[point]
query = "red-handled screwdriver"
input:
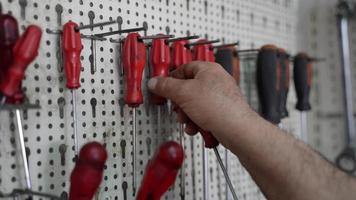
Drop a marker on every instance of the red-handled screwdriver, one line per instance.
(88, 172)
(204, 51)
(181, 55)
(161, 171)
(133, 60)
(227, 56)
(160, 57)
(9, 34)
(72, 47)
(24, 52)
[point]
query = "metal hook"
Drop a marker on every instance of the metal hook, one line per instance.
(183, 38)
(95, 25)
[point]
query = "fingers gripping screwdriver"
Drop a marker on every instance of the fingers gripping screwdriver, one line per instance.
(9, 34)
(24, 52)
(205, 52)
(160, 57)
(161, 171)
(302, 81)
(134, 60)
(72, 47)
(88, 172)
(228, 58)
(283, 60)
(181, 55)
(268, 77)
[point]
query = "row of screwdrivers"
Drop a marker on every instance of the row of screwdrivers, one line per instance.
(272, 73)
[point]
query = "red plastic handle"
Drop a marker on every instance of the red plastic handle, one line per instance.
(134, 60)
(160, 60)
(72, 47)
(181, 54)
(203, 52)
(25, 51)
(88, 172)
(161, 171)
(9, 34)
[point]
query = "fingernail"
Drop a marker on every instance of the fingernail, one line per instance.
(152, 83)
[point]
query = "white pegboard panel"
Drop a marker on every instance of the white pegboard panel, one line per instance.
(253, 23)
(320, 35)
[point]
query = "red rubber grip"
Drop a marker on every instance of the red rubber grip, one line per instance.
(72, 47)
(181, 54)
(161, 171)
(204, 52)
(24, 52)
(134, 60)
(160, 56)
(88, 172)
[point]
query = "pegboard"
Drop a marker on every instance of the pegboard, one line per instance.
(254, 23)
(320, 35)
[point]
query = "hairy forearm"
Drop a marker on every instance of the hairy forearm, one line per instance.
(282, 166)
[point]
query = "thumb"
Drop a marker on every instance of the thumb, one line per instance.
(167, 87)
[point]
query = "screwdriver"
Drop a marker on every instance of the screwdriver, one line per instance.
(9, 34)
(160, 57)
(72, 47)
(181, 55)
(283, 60)
(161, 171)
(88, 172)
(227, 56)
(204, 51)
(302, 73)
(268, 86)
(133, 60)
(24, 52)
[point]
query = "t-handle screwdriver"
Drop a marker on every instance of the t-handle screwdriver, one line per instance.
(268, 77)
(24, 52)
(161, 171)
(283, 60)
(133, 60)
(204, 51)
(88, 172)
(72, 47)
(302, 73)
(181, 55)
(227, 56)
(160, 57)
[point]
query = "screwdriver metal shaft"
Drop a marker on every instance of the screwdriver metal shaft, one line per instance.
(205, 173)
(182, 171)
(134, 150)
(75, 127)
(23, 149)
(228, 181)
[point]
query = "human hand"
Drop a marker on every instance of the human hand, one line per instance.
(205, 93)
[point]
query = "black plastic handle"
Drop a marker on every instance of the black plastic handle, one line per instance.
(283, 60)
(229, 59)
(224, 58)
(347, 156)
(302, 80)
(268, 78)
